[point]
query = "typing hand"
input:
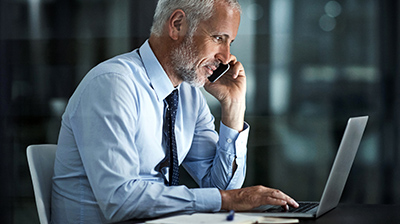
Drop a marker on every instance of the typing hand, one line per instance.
(251, 197)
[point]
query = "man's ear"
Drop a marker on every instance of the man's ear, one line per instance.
(177, 24)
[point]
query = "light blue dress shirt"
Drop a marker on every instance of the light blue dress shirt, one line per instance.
(111, 140)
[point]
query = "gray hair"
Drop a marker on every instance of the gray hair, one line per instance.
(195, 10)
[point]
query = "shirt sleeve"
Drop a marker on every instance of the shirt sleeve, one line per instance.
(211, 157)
(103, 124)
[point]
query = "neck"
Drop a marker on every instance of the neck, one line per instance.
(162, 48)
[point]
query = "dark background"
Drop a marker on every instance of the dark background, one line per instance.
(311, 64)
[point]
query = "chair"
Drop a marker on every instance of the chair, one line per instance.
(41, 164)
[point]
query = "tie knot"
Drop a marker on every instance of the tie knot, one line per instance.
(172, 100)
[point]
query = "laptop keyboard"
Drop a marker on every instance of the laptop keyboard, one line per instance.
(303, 207)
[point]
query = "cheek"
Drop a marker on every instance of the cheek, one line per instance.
(207, 56)
(207, 50)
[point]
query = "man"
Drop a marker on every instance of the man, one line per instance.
(115, 156)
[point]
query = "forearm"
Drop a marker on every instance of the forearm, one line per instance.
(232, 114)
(210, 163)
(229, 167)
(153, 199)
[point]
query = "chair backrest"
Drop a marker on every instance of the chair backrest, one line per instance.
(41, 165)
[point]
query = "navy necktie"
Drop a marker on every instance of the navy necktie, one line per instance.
(172, 101)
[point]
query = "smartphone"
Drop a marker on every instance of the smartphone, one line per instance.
(220, 71)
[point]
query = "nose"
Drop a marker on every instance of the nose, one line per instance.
(224, 54)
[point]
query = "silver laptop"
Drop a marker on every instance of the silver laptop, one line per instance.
(336, 180)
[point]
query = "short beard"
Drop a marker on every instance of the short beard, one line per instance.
(183, 61)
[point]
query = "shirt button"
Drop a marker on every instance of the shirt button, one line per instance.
(228, 140)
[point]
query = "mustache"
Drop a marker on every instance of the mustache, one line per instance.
(213, 63)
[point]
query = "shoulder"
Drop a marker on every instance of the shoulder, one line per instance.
(116, 78)
(128, 64)
(125, 68)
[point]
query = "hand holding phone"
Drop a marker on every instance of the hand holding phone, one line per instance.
(220, 71)
(230, 92)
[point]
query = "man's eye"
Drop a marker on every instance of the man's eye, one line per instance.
(218, 38)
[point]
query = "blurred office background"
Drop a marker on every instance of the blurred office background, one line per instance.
(311, 64)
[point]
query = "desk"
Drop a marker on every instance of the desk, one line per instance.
(359, 213)
(350, 214)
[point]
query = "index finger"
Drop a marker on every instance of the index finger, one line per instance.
(237, 68)
(232, 59)
(282, 196)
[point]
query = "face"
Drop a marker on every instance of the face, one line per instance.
(199, 55)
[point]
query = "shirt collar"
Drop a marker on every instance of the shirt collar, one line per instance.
(159, 80)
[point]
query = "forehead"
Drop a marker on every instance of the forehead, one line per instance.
(225, 20)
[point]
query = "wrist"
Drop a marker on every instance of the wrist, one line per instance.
(232, 115)
(224, 199)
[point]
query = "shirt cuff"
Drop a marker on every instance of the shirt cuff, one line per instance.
(232, 141)
(207, 199)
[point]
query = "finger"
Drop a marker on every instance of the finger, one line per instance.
(279, 195)
(276, 201)
(286, 207)
(232, 59)
(282, 196)
(290, 201)
(293, 203)
(237, 70)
